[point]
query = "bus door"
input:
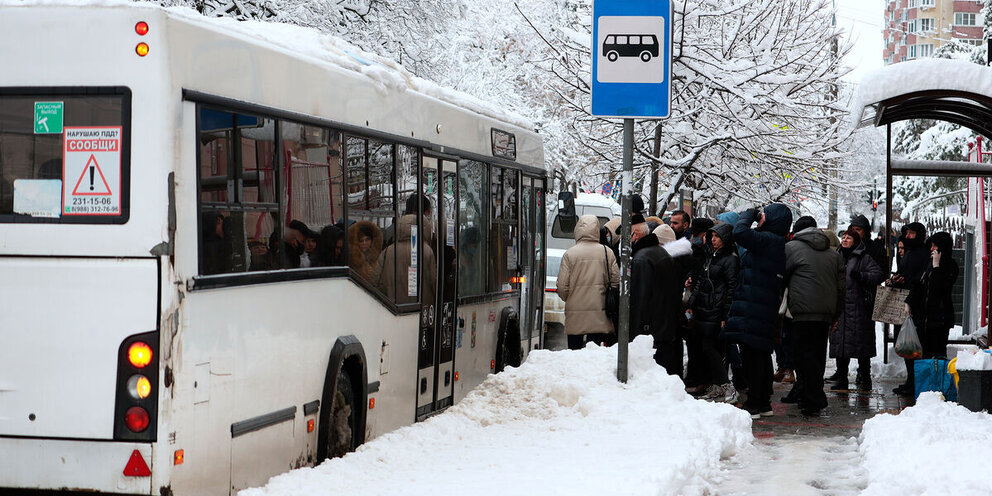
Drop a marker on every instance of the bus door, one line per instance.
(436, 381)
(532, 262)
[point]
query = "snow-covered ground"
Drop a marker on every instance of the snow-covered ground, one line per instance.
(932, 448)
(562, 424)
(559, 424)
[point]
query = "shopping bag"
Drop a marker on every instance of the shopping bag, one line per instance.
(890, 305)
(908, 343)
(931, 375)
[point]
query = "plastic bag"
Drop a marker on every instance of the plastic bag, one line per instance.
(908, 343)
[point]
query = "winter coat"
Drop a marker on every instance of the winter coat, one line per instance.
(874, 249)
(655, 291)
(914, 263)
(930, 299)
(754, 318)
(854, 336)
(585, 269)
(714, 283)
(365, 263)
(815, 276)
(392, 273)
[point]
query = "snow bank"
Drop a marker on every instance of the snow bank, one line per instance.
(929, 449)
(974, 359)
(559, 424)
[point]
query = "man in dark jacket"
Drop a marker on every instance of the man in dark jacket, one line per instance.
(655, 296)
(815, 277)
(754, 313)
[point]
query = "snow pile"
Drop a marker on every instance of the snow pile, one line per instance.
(974, 359)
(559, 424)
(932, 448)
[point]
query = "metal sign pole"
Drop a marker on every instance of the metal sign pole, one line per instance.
(623, 333)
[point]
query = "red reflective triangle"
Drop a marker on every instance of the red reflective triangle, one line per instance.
(136, 466)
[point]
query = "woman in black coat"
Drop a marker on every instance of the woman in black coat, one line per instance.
(854, 335)
(930, 300)
(712, 292)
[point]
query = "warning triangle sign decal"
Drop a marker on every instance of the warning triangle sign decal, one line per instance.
(88, 181)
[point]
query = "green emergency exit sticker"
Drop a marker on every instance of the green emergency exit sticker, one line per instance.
(48, 117)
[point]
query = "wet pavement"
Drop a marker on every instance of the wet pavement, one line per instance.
(799, 455)
(846, 412)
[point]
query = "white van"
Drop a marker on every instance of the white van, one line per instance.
(601, 206)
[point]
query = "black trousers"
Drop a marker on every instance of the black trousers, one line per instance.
(668, 354)
(809, 351)
(578, 341)
(705, 350)
(758, 370)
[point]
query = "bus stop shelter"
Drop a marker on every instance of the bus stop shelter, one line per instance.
(954, 91)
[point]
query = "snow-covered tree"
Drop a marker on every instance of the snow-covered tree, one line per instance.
(754, 114)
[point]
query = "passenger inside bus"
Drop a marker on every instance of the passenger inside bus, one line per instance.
(393, 269)
(216, 243)
(364, 245)
(330, 248)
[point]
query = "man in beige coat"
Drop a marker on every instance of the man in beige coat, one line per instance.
(586, 269)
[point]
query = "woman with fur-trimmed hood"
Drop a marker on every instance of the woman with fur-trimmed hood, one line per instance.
(364, 246)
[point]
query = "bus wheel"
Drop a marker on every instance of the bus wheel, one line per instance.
(341, 438)
(646, 56)
(612, 56)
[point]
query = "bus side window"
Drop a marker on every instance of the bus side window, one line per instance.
(233, 237)
(473, 225)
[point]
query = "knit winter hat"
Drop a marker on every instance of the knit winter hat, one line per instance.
(804, 222)
(665, 234)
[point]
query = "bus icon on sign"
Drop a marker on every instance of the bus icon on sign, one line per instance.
(643, 46)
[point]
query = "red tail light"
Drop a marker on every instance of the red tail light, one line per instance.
(136, 419)
(141, 28)
(550, 290)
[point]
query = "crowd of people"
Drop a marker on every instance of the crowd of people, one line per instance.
(730, 292)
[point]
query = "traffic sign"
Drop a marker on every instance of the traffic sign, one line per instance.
(48, 117)
(632, 58)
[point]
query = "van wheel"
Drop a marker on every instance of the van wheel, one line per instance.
(612, 56)
(646, 56)
(341, 438)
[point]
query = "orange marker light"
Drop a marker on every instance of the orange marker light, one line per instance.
(141, 28)
(492, 364)
(310, 425)
(456, 376)
(141, 49)
(371, 403)
(139, 387)
(177, 457)
(139, 354)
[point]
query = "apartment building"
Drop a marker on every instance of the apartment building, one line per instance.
(915, 28)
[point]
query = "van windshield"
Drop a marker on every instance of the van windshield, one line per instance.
(62, 157)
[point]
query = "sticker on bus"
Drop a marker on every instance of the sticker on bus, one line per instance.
(91, 171)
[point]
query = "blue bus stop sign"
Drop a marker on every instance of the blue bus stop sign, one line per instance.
(631, 58)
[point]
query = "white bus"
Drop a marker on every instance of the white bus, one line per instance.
(224, 256)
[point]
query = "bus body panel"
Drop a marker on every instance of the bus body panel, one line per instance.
(45, 464)
(104, 57)
(52, 383)
(214, 390)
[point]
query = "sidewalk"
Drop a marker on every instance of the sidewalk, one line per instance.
(846, 412)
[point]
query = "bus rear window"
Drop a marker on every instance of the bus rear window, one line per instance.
(64, 156)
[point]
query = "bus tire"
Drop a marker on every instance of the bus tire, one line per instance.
(646, 56)
(342, 436)
(508, 349)
(344, 400)
(612, 56)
